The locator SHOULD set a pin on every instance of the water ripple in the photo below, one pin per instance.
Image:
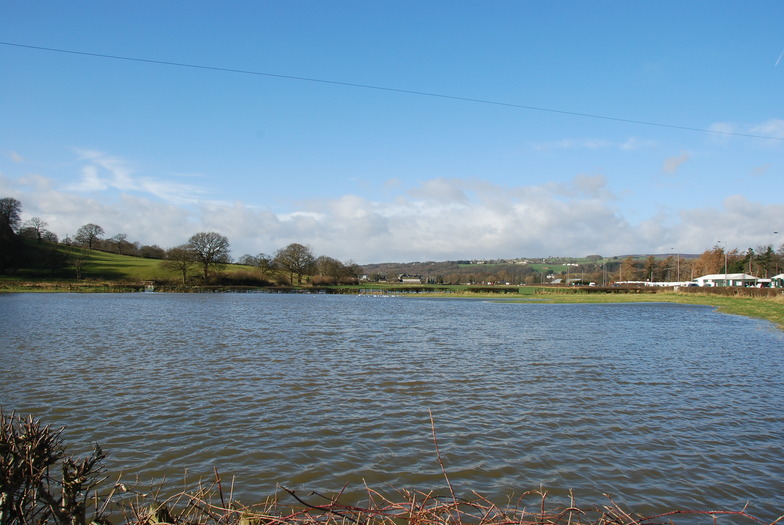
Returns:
(661, 405)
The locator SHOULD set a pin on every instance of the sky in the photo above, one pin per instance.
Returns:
(399, 131)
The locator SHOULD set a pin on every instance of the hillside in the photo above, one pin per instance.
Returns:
(48, 261)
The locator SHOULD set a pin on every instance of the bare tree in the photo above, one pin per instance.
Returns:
(352, 270)
(629, 270)
(79, 260)
(247, 260)
(120, 240)
(180, 259)
(211, 250)
(297, 260)
(265, 263)
(333, 271)
(88, 234)
(36, 228)
(261, 261)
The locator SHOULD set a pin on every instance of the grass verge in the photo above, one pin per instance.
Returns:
(768, 308)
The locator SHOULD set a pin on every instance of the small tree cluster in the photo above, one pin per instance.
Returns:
(90, 236)
(207, 250)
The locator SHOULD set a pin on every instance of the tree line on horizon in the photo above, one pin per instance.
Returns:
(206, 255)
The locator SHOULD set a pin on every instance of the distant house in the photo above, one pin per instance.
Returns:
(777, 281)
(728, 279)
(409, 279)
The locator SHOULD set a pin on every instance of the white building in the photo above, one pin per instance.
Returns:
(728, 279)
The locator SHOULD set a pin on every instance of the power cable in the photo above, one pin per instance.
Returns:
(392, 90)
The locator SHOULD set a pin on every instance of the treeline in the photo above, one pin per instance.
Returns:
(208, 253)
(762, 261)
(203, 259)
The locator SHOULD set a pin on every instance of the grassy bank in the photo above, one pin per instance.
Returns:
(768, 308)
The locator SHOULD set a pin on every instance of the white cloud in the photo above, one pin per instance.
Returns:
(739, 222)
(103, 172)
(635, 143)
(672, 164)
(440, 189)
(436, 219)
(90, 181)
(572, 144)
(14, 156)
(591, 186)
(772, 128)
(630, 144)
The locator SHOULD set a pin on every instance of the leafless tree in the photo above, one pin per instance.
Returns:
(247, 260)
(211, 250)
(79, 260)
(88, 234)
(36, 228)
(180, 259)
(330, 268)
(120, 240)
(297, 260)
(265, 263)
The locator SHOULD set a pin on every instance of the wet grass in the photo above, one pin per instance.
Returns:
(768, 308)
(771, 309)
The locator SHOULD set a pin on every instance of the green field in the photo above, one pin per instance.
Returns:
(97, 266)
(769, 308)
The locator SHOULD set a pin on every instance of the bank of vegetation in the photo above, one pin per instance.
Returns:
(40, 484)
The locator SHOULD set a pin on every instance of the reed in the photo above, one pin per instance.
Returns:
(207, 505)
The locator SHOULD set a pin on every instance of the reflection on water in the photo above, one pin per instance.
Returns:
(661, 406)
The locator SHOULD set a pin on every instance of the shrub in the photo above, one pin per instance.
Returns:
(30, 492)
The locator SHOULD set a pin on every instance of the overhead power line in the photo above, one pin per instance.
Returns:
(390, 89)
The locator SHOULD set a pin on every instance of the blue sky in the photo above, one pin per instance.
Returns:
(573, 142)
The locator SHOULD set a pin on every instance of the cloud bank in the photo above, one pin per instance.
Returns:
(435, 219)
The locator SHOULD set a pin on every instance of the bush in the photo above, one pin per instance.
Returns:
(29, 491)
(241, 278)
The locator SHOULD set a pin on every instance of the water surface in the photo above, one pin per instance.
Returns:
(663, 406)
